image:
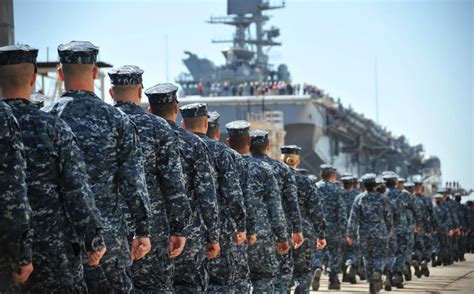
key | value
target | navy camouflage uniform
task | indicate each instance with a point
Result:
(371, 221)
(444, 225)
(170, 210)
(15, 232)
(403, 202)
(351, 257)
(64, 215)
(422, 250)
(190, 274)
(222, 270)
(289, 197)
(313, 230)
(110, 145)
(335, 216)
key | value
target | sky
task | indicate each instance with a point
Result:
(423, 50)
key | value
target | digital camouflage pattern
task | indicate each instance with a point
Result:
(16, 54)
(313, 229)
(403, 202)
(110, 145)
(289, 197)
(222, 269)
(190, 272)
(170, 210)
(422, 248)
(371, 221)
(126, 75)
(270, 225)
(335, 216)
(78, 52)
(64, 215)
(242, 272)
(15, 232)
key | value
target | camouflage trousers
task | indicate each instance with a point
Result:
(57, 269)
(390, 252)
(373, 249)
(242, 272)
(423, 248)
(222, 270)
(285, 273)
(154, 272)
(190, 274)
(334, 254)
(351, 254)
(263, 265)
(303, 258)
(410, 245)
(403, 241)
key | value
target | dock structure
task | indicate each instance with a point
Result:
(456, 278)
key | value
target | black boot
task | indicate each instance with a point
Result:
(388, 281)
(350, 275)
(316, 279)
(397, 280)
(424, 268)
(434, 260)
(407, 273)
(345, 279)
(361, 273)
(334, 283)
(416, 266)
(377, 282)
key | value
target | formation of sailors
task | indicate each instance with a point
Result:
(101, 198)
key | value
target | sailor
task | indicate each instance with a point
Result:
(335, 216)
(202, 232)
(351, 256)
(15, 215)
(371, 221)
(462, 215)
(404, 202)
(422, 248)
(229, 196)
(241, 275)
(64, 215)
(445, 228)
(409, 186)
(451, 206)
(260, 149)
(170, 210)
(114, 163)
(271, 230)
(312, 221)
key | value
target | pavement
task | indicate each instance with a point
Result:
(457, 278)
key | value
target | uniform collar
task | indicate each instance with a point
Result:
(129, 105)
(77, 92)
(17, 101)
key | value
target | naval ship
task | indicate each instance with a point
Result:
(327, 131)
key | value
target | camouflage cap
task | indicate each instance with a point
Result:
(258, 137)
(193, 110)
(442, 190)
(401, 180)
(238, 128)
(438, 196)
(389, 175)
(347, 179)
(369, 178)
(290, 149)
(379, 180)
(213, 119)
(16, 54)
(326, 168)
(409, 185)
(302, 171)
(162, 93)
(126, 75)
(78, 52)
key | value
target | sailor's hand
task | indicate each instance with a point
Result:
(251, 239)
(213, 250)
(297, 240)
(282, 248)
(25, 272)
(321, 244)
(349, 241)
(176, 245)
(140, 247)
(240, 237)
(94, 257)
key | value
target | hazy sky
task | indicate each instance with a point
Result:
(424, 51)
